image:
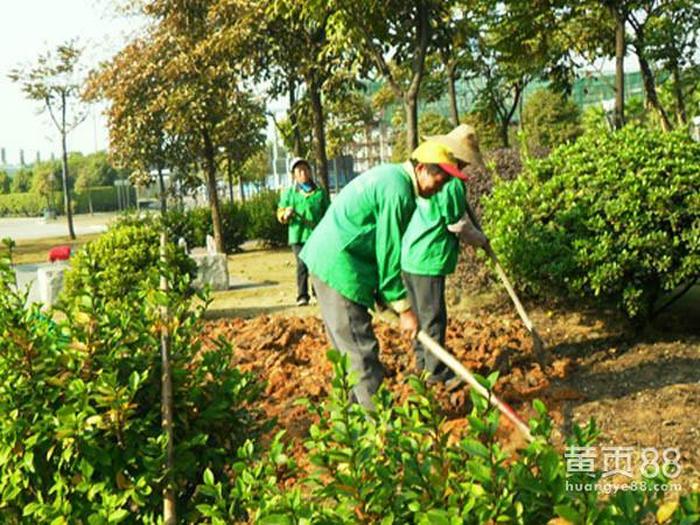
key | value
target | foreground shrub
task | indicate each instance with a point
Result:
(80, 421)
(614, 217)
(399, 465)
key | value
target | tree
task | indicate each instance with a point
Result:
(87, 179)
(672, 42)
(21, 181)
(5, 182)
(455, 35)
(286, 44)
(43, 181)
(54, 82)
(391, 38)
(132, 82)
(550, 118)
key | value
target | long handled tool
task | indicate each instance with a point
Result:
(460, 370)
(537, 344)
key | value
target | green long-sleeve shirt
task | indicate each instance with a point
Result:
(356, 249)
(308, 211)
(428, 247)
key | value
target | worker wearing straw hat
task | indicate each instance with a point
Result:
(354, 255)
(430, 247)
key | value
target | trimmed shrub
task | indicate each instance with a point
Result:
(194, 225)
(261, 214)
(472, 274)
(25, 204)
(118, 266)
(104, 198)
(614, 217)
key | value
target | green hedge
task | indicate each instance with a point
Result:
(255, 218)
(614, 217)
(104, 198)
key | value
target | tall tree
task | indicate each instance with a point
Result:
(55, 82)
(285, 43)
(132, 82)
(391, 38)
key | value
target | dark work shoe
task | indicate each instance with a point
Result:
(302, 302)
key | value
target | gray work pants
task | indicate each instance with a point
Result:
(349, 327)
(427, 296)
(302, 274)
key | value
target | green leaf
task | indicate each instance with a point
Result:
(275, 519)
(117, 516)
(568, 513)
(208, 477)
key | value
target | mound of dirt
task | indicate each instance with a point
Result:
(289, 354)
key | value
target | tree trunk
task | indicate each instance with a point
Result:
(451, 81)
(66, 190)
(503, 132)
(296, 132)
(650, 91)
(241, 191)
(90, 201)
(681, 115)
(319, 131)
(161, 189)
(230, 179)
(619, 118)
(210, 169)
(410, 106)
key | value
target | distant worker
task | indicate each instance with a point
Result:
(430, 249)
(354, 255)
(301, 207)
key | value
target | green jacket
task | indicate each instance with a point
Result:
(308, 211)
(356, 249)
(428, 248)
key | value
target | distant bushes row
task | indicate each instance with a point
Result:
(104, 198)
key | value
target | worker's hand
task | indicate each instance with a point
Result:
(288, 214)
(408, 323)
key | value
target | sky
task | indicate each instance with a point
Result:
(29, 29)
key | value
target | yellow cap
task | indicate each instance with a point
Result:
(431, 152)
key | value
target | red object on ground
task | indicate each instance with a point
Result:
(59, 253)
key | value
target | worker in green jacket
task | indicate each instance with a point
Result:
(430, 248)
(354, 255)
(301, 206)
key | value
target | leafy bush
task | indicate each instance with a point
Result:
(104, 198)
(194, 225)
(614, 217)
(119, 265)
(25, 204)
(80, 427)
(399, 465)
(472, 274)
(550, 119)
(262, 220)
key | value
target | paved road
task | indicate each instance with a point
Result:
(36, 228)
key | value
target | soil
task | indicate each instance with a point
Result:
(643, 389)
